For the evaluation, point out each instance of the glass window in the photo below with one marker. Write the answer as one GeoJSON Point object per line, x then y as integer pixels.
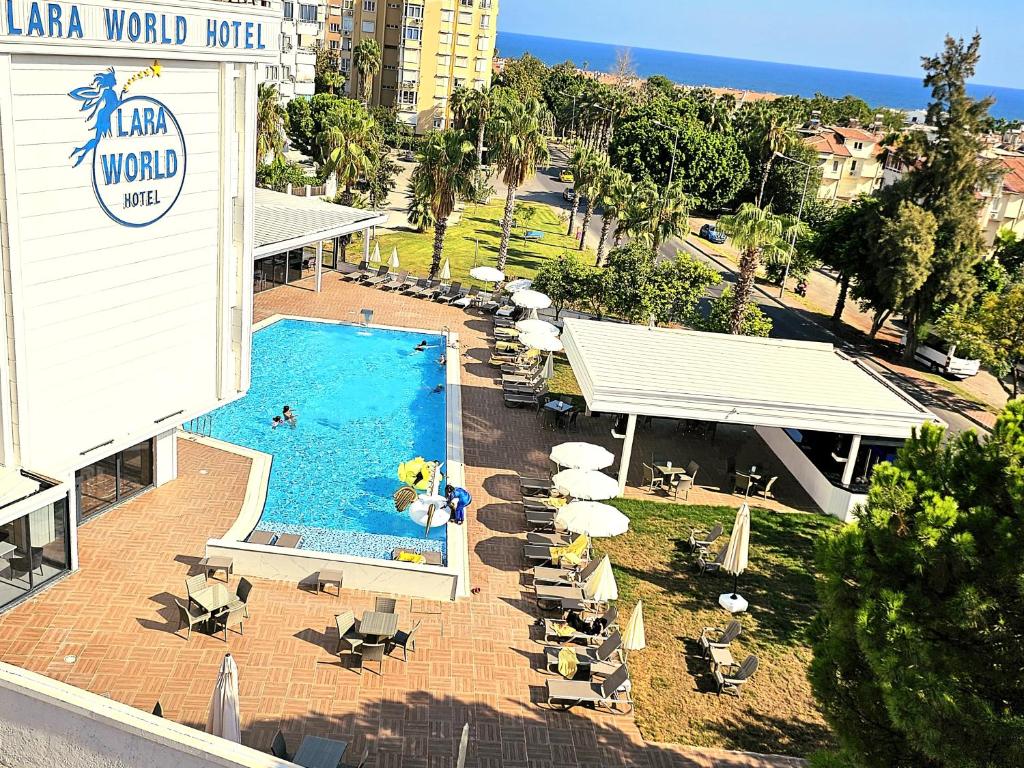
{"type": "Point", "coordinates": [346, 23]}
{"type": "Point", "coordinates": [33, 550]}
{"type": "Point", "coordinates": [136, 469]}
{"type": "Point", "coordinates": [462, 39]}
{"type": "Point", "coordinates": [114, 478]}
{"type": "Point", "coordinates": [370, 6]}
{"type": "Point", "coordinates": [485, 21]}
{"type": "Point", "coordinates": [369, 27]}
{"type": "Point", "coordinates": [413, 33]}
{"type": "Point", "coordinates": [307, 12]}
{"type": "Point", "coordinates": [465, 17]}
{"type": "Point", "coordinates": [289, 11]}
{"type": "Point", "coordinates": [482, 44]}
{"type": "Point", "coordinates": [447, 14]}
{"type": "Point", "coordinates": [414, 11]}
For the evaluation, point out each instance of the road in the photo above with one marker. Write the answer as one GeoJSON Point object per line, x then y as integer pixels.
{"type": "Point", "coordinates": [787, 322]}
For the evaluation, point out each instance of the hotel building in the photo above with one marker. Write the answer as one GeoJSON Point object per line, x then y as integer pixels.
{"type": "Point", "coordinates": [428, 49]}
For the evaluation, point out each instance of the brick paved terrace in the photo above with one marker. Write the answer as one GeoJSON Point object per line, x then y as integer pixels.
{"type": "Point", "coordinates": [476, 660]}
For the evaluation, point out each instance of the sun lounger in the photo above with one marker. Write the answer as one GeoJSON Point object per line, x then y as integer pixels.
{"type": "Point", "coordinates": [530, 486]}
{"type": "Point", "coordinates": [549, 539]}
{"type": "Point", "coordinates": [262, 537]}
{"type": "Point", "coordinates": [506, 334]}
{"type": "Point", "coordinates": [380, 278]}
{"type": "Point", "coordinates": [700, 540]}
{"type": "Point", "coordinates": [516, 399]}
{"type": "Point", "coordinates": [603, 660]}
{"type": "Point", "coordinates": [711, 566]}
{"type": "Point", "coordinates": [429, 557]}
{"type": "Point", "coordinates": [291, 540]}
{"type": "Point", "coordinates": [465, 301]}
{"type": "Point", "coordinates": [451, 293]}
{"type": "Point", "coordinates": [563, 577]}
{"type": "Point", "coordinates": [354, 274]}
{"type": "Point", "coordinates": [419, 285]}
{"type": "Point", "coordinates": [566, 694]}
{"type": "Point", "coordinates": [395, 281]}
{"type": "Point", "coordinates": [559, 630]}
{"type": "Point", "coordinates": [424, 291]}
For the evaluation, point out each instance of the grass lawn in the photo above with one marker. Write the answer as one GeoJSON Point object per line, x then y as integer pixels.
{"type": "Point", "coordinates": [483, 223]}
{"type": "Point", "coordinates": [674, 693]}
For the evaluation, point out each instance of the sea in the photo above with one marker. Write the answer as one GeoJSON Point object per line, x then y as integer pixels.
{"type": "Point", "coordinates": [890, 91]}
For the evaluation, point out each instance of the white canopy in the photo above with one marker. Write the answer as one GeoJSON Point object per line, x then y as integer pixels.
{"type": "Point", "coordinates": [585, 484]}
{"type": "Point", "coordinates": [530, 299]}
{"type": "Point", "coordinates": [592, 518]}
{"type": "Point", "coordinates": [545, 342]}
{"type": "Point", "coordinates": [582, 456]}
{"type": "Point", "coordinates": [518, 285]}
{"type": "Point", "coordinates": [487, 274]}
{"type": "Point", "coordinates": [534, 325]}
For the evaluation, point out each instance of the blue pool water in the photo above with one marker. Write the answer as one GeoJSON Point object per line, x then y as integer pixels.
{"type": "Point", "coordinates": [365, 403]}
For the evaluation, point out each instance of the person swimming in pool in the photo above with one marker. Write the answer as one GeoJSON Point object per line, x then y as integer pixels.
{"type": "Point", "coordinates": [276, 422]}
{"type": "Point", "coordinates": [289, 415]}
{"type": "Point", "coordinates": [438, 389]}
{"type": "Point", "coordinates": [421, 346]}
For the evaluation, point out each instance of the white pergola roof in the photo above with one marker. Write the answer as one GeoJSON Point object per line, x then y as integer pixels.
{"type": "Point", "coordinates": [286, 221]}
{"type": "Point", "coordinates": [681, 374]}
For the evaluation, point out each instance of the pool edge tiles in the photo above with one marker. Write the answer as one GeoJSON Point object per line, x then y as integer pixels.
{"type": "Point", "coordinates": [347, 539]}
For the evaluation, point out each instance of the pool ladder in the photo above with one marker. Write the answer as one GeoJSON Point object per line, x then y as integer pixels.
{"type": "Point", "coordinates": [201, 425]}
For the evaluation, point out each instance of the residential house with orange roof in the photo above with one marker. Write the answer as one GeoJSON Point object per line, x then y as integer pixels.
{"type": "Point", "coordinates": [1004, 203]}
{"type": "Point", "coordinates": [851, 159]}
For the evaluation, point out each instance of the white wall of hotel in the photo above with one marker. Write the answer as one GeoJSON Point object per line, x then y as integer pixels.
{"type": "Point", "coordinates": [117, 332]}
{"type": "Point", "coordinates": [782, 388]}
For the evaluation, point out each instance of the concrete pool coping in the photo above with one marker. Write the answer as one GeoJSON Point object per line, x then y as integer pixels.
{"type": "Point", "coordinates": [302, 565]}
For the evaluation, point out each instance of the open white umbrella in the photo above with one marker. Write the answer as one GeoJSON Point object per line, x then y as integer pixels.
{"type": "Point", "coordinates": [430, 511]}
{"type": "Point", "coordinates": [532, 325]}
{"type": "Point", "coordinates": [592, 518]}
{"type": "Point", "coordinates": [446, 270]}
{"type": "Point", "coordinates": [530, 299]}
{"type": "Point", "coordinates": [375, 256]}
{"type": "Point", "coordinates": [518, 285]}
{"type": "Point", "coordinates": [582, 456]}
{"type": "Point", "coordinates": [487, 274]}
{"type": "Point", "coordinates": [545, 342]}
{"type": "Point", "coordinates": [601, 586]}
{"type": "Point", "coordinates": [586, 484]}
{"type": "Point", "coordinates": [633, 638]}
{"type": "Point", "coordinates": [224, 719]}
{"type": "Point", "coordinates": [393, 261]}
{"type": "Point", "coordinates": [736, 556]}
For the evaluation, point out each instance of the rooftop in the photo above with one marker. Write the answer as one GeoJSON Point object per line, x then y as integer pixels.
{"type": "Point", "coordinates": [286, 221]}
{"type": "Point", "coordinates": [734, 379]}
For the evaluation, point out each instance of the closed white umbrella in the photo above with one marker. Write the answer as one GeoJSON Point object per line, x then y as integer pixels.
{"type": "Point", "coordinates": [375, 256]}
{"type": "Point", "coordinates": [532, 325]}
{"type": "Point", "coordinates": [633, 637]}
{"type": "Point", "coordinates": [582, 456]}
{"type": "Point", "coordinates": [446, 270]}
{"type": "Point", "coordinates": [393, 261]}
{"type": "Point", "coordinates": [601, 586]}
{"type": "Point", "coordinates": [592, 518]}
{"type": "Point", "coordinates": [586, 484]}
{"type": "Point", "coordinates": [736, 556]}
{"type": "Point", "coordinates": [487, 274]}
{"type": "Point", "coordinates": [518, 285]}
{"type": "Point", "coordinates": [224, 719]}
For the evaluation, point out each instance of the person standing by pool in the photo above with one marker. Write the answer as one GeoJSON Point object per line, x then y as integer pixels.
{"type": "Point", "coordinates": [458, 499]}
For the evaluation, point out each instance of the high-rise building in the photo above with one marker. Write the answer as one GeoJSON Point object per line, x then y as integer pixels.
{"type": "Point", "coordinates": [428, 49]}
{"type": "Point", "coordinates": [302, 27]}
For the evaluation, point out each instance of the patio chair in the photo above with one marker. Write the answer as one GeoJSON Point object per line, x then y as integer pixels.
{"type": "Point", "coordinates": [505, 334]}
{"type": "Point", "coordinates": [380, 278]}
{"type": "Point", "coordinates": [262, 537]}
{"type": "Point", "coordinates": [371, 652]}
{"type": "Point", "coordinates": [541, 553]}
{"type": "Point", "coordinates": [556, 539]}
{"type": "Point", "coordinates": [385, 605]}
{"type": "Point", "coordinates": [290, 540]}
{"type": "Point", "coordinates": [405, 641]}
{"type": "Point", "coordinates": [278, 747]}
{"type": "Point", "coordinates": [492, 305]}
{"type": "Point", "coordinates": [704, 565]}
{"type": "Point", "coordinates": [561, 631]}
{"type": "Point", "coordinates": [653, 479]}
{"type": "Point", "coordinates": [732, 682]}
{"type": "Point", "coordinates": [602, 660]}
{"type": "Point", "coordinates": [354, 275]}
{"type": "Point", "coordinates": [195, 584]}
{"type": "Point", "coordinates": [519, 399]}
{"type": "Point", "coordinates": [189, 616]}
{"type": "Point", "coordinates": [465, 301]}
{"type": "Point", "coordinates": [716, 637]}
{"type": "Point", "coordinates": [424, 291]}
{"type": "Point", "coordinates": [349, 638]}
{"type": "Point", "coordinates": [361, 763]}
{"type": "Point", "coordinates": [765, 491]}
{"type": "Point", "coordinates": [566, 694]}
{"type": "Point", "coordinates": [231, 617]}
{"type": "Point", "coordinates": [685, 482]}
{"type": "Point", "coordinates": [396, 281]}
{"type": "Point", "coordinates": [530, 486]}
{"type": "Point", "coordinates": [451, 293]}
{"type": "Point", "coordinates": [564, 576]}
{"type": "Point", "coordinates": [412, 289]}
{"type": "Point", "coordinates": [241, 596]}
{"type": "Point", "coordinates": [700, 540]}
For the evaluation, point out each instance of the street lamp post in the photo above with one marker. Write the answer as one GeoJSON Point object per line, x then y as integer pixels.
{"type": "Point", "coordinates": [799, 215]}
{"type": "Point", "coordinates": [675, 147]}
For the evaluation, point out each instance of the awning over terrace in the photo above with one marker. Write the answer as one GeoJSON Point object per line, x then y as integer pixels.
{"type": "Point", "coordinates": [678, 374]}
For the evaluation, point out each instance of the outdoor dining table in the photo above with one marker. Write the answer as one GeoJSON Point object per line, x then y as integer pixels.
{"type": "Point", "coordinates": [318, 752]}
{"type": "Point", "coordinates": [669, 471]}
{"type": "Point", "coordinates": [558, 406]}
{"type": "Point", "coordinates": [721, 657]}
{"type": "Point", "coordinates": [212, 599]}
{"type": "Point", "coordinates": [379, 625]}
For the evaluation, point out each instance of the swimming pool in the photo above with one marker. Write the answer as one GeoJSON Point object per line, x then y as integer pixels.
{"type": "Point", "coordinates": [365, 402]}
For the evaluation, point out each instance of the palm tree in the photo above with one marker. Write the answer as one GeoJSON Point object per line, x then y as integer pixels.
{"type": "Point", "coordinates": [590, 186]}
{"type": "Point", "coordinates": [271, 119]}
{"type": "Point", "coordinates": [580, 164]}
{"type": "Point", "coordinates": [482, 102]}
{"type": "Point", "coordinates": [459, 103]}
{"type": "Point", "coordinates": [521, 146]}
{"type": "Point", "coordinates": [348, 145]}
{"type": "Point", "coordinates": [366, 60]}
{"type": "Point", "coordinates": [614, 193]}
{"type": "Point", "coordinates": [774, 141]}
{"type": "Point", "coordinates": [653, 216]}
{"type": "Point", "coordinates": [444, 174]}
{"type": "Point", "coordinates": [758, 233]}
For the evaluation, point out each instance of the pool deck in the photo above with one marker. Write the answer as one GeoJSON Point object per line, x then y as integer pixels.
{"type": "Point", "coordinates": [476, 659]}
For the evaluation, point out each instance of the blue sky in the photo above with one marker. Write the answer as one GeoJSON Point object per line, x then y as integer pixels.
{"type": "Point", "coordinates": [865, 35]}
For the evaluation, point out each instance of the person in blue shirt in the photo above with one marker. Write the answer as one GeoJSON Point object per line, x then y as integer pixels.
{"type": "Point", "coordinates": [458, 500]}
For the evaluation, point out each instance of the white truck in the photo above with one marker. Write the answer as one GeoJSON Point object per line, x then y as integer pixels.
{"type": "Point", "coordinates": [940, 357]}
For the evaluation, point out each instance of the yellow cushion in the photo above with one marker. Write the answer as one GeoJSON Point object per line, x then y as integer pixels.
{"type": "Point", "coordinates": [411, 557]}
{"type": "Point", "coordinates": [567, 663]}
{"type": "Point", "coordinates": [564, 630]}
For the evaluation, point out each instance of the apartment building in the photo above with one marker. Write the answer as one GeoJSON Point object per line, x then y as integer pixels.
{"type": "Point", "coordinates": [428, 49]}
{"type": "Point", "coordinates": [1003, 207]}
{"type": "Point", "coordinates": [303, 25]}
{"type": "Point", "coordinates": [851, 158]}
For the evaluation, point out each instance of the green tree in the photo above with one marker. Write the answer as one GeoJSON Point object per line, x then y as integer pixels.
{"type": "Point", "coordinates": [757, 233]}
{"type": "Point", "coordinates": [347, 143]}
{"type": "Point", "coordinates": [843, 242]}
{"type": "Point", "coordinates": [444, 174]}
{"type": "Point", "coordinates": [654, 216]}
{"type": "Point", "coordinates": [382, 179]}
{"type": "Point", "coordinates": [719, 317]}
{"type": "Point", "coordinates": [308, 119]}
{"type": "Point", "coordinates": [366, 59]}
{"type": "Point", "coordinates": [590, 186]}
{"type": "Point", "coordinates": [581, 163]}
{"type": "Point", "coordinates": [919, 637]}
{"type": "Point", "coordinates": [524, 76]}
{"type": "Point", "coordinates": [279, 173]}
{"type": "Point", "coordinates": [328, 77]}
{"type": "Point", "coordinates": [1002, 322]}
{"type": "Point", "coordinates": [1009, 251]}
{"type": "Point", "coordinates": [563, 279]}
{"type": "Point", "coordinates": [612, 197]}
{"type": "Point", "coordinates": [271, 119]}
{"type": "Point", "coordinates": [775, 140]}
{"type": "Point", "coordinates": [520, 148]}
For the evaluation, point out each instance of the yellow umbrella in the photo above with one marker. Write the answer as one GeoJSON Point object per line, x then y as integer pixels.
{"type": "Point", "coordinates": [633, 639]}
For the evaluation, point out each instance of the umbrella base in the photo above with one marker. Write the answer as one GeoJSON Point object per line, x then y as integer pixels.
{"type": "Point", "coordinates": [733, 603]}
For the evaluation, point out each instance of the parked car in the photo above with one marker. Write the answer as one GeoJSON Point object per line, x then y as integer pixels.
{"type": "Point", "coordinates": [941, 357]}
{"type": "Point", "coordinates": [569, 195]}
{"type": "Point", "coordinates": [708, 232]}
{"type": "Point", "coordinates": [408, 156]}
{"type": "Point", "coordinates": [566, 176]}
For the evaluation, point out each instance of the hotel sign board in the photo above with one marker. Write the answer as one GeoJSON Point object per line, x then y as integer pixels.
{"type": "Point", "coordinates": [201, 29]}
